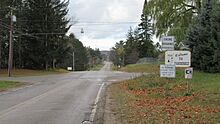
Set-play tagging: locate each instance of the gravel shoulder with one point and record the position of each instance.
(111, 116)
(107, 112)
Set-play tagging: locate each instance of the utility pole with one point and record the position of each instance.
(46, 44)
(10, 59)
(73, 61)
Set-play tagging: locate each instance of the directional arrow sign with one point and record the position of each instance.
(178, 58)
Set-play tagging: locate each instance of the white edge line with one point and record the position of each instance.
(92, 116)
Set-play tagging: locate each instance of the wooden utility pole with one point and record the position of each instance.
(73, 61)
(10, 58)
(46, 44)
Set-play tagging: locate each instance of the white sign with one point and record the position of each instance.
(69, 68)
(13, 18)
(178, 58)
(168, 43)
(168, 71)
(188, 73)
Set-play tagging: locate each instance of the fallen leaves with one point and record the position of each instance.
(172, 108)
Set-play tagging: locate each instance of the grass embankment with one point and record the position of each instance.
(5, 85)
(151, 99)
(26, 72)
(96, 67)
(148, 68)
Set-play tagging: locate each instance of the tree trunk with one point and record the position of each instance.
(46, 66)
(54, 63)
(19, 54)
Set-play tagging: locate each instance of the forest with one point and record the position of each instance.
(194, 23)
(39, 36)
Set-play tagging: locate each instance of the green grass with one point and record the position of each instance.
(5, 85)
(27, 72)
(148, 68)
(151, 99)
(96, 67)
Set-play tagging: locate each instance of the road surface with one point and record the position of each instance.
(56, 99)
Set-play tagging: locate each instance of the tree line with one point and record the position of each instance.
(138, 44)
(195, 23)
(39, 36)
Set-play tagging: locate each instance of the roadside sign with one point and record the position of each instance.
(168, 43)
(168, 71)
(69, 68)
(188, 73)
(178, 58)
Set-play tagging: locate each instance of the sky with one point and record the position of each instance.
(104, 22)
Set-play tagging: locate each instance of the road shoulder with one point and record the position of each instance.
(107, 112)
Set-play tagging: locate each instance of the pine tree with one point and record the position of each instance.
(5, 8)
(3, 12)
(80, 54)
(203, 40)
(215, 31)
(47, 25)
(145, 46)
(131, 48)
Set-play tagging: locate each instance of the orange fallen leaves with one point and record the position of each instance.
(168, 106)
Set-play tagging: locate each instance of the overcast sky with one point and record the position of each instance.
(104, 22)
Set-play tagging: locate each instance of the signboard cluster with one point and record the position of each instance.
(174, 59)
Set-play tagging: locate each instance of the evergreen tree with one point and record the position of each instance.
(131, 48)
(6, 7)
(47, 24)
(215, 31)
(94, 56)
(80, 54)
(203, 40)
(145, 46)
(3, 29)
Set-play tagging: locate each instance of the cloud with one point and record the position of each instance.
(104, 21)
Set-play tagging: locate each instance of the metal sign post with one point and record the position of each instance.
(188, 75)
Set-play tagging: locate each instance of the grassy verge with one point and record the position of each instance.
(151, 99)
(26, 72)
(96, 67)
(147, 68)
(5, 85)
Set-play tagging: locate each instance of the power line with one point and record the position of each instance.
(83, 22)
(21, 33)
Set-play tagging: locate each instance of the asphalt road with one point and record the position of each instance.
(56, 99)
